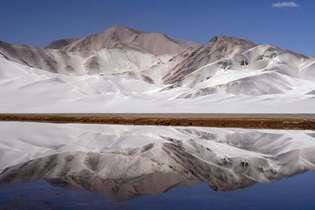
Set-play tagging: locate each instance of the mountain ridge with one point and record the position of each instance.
(122, 36)
(153, 70)
(87, 54)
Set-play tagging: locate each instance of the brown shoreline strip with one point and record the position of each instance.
(266, 121)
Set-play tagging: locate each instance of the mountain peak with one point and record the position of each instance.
(127, 38)
(60, 43)
(230, 40)
(218, 47)
(121, 29)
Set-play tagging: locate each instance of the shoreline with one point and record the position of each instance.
(258, 121)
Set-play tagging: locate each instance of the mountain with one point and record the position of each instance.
(240, 67)
(61, 43)
(127, 38)
(218, 48)
(126, 70)
(117, 50)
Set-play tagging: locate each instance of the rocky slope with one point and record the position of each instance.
(117, 50)
(237, 66)
(122, 68)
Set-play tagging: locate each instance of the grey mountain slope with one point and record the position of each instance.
(70, 55)
(123, 37)
(227, 53)
(225, 64)
(60, 43)
(216, 49)
(29, 56)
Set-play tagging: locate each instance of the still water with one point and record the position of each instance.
(289, 194)
(48, 166)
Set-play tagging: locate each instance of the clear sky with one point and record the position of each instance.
(289, 24)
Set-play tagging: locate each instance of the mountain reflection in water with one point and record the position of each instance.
(124, 162)
(290, 194)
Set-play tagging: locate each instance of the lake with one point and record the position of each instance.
(66, 166)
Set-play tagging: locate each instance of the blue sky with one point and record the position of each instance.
(288, 24)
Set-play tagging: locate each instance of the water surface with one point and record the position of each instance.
(289, 194)
(50, 166)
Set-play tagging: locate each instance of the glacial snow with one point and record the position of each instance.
(26, 89)
(119, 70)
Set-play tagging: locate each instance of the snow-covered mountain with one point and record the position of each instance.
(117, 50)
(125, 70)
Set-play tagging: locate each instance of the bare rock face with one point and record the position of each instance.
(123, 37)
(225, 65)
(112, 38)
(29, 56)
(216, 49)
(117, 47)
(61, 43)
